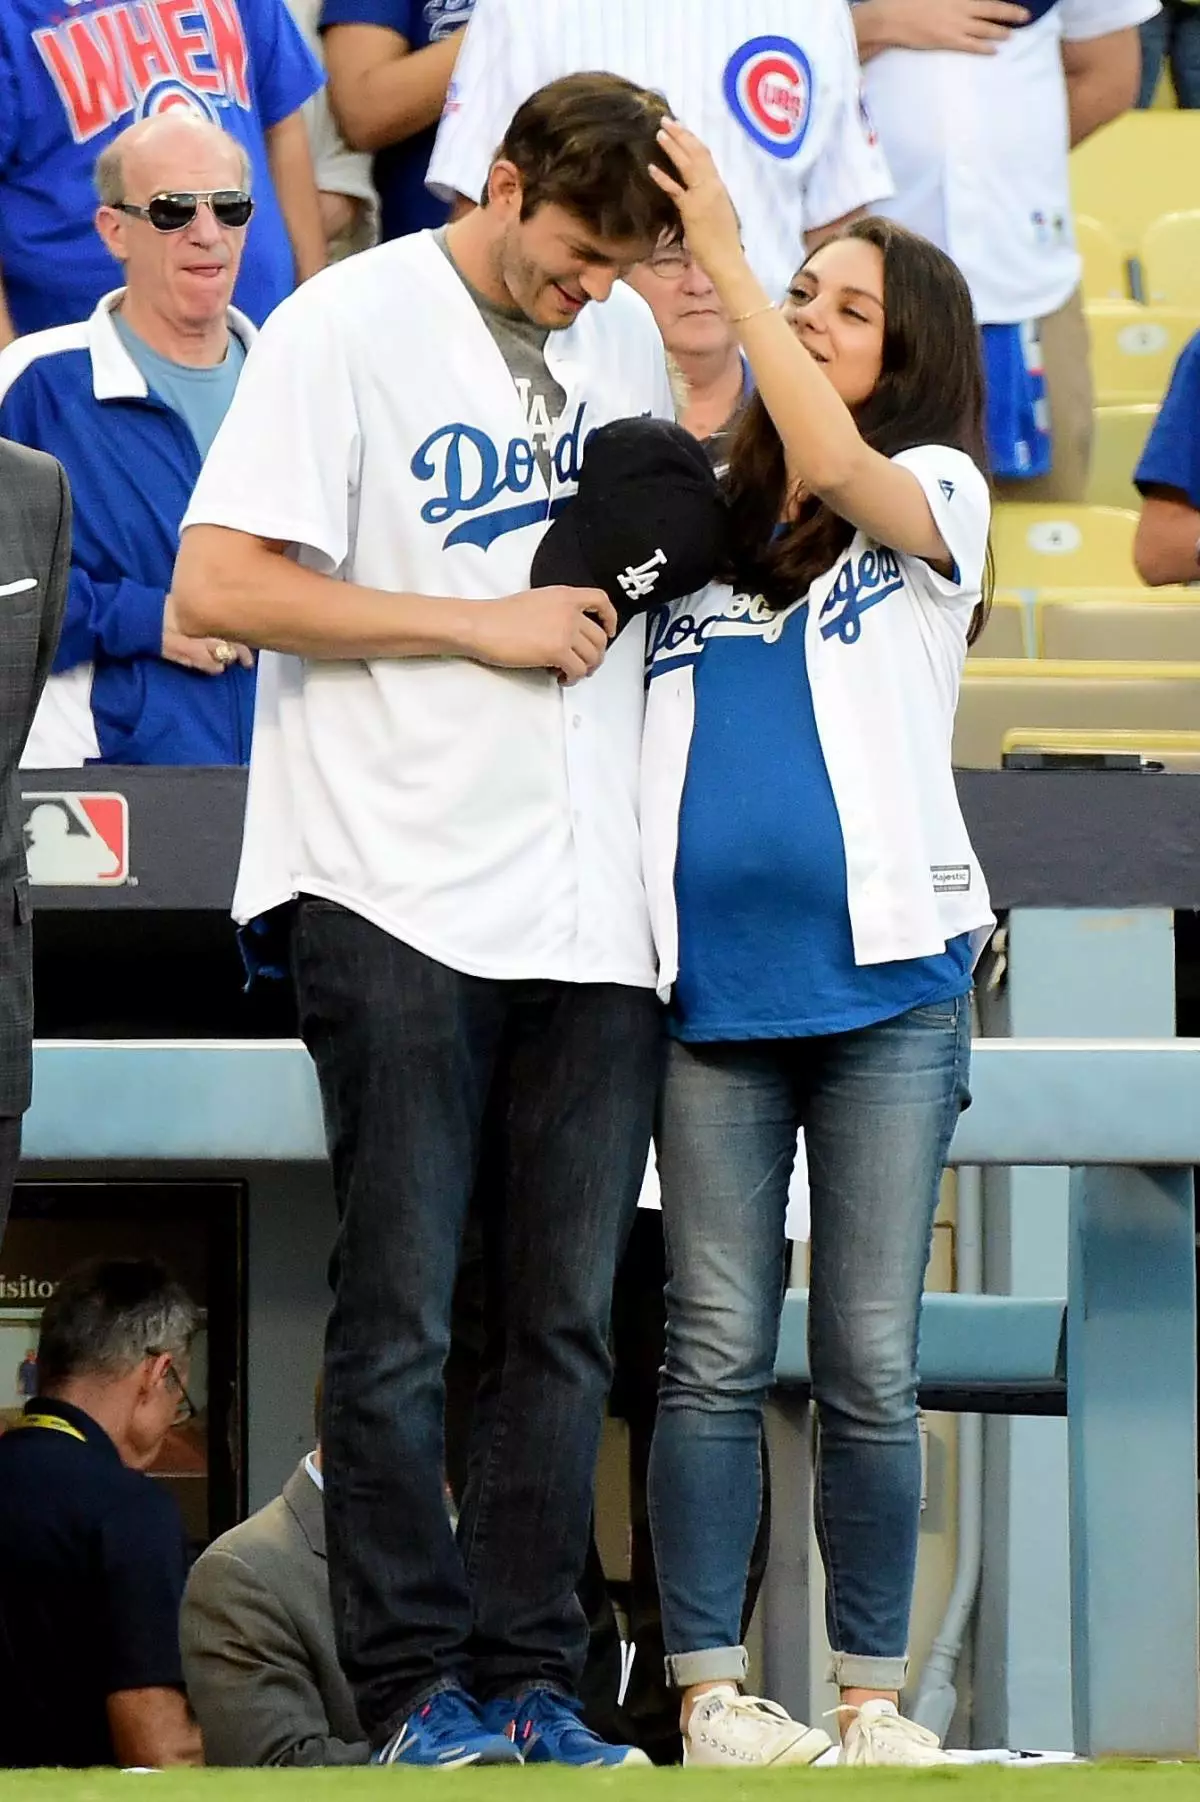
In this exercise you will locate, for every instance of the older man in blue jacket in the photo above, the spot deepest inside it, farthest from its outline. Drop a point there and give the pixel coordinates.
(129, 401)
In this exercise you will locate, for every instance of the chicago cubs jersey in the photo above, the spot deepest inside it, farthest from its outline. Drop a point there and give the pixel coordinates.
(75, 73)
(772, 86)
(486, 817)
(978, 149)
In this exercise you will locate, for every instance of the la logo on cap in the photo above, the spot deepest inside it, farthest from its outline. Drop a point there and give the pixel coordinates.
(640, 579)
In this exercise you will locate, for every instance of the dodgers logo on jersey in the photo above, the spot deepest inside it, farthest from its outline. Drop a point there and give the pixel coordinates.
(471, 472)
(768, 89)
(860, 583)
(678, 632)
(145, 56)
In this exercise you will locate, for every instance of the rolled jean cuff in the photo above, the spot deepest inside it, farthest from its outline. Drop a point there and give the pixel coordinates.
(854, 1670)
(718, 1664)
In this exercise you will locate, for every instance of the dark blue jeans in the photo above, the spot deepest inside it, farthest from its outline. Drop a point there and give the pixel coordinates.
(878, 1108)
(1173, 33)
(539, 1097)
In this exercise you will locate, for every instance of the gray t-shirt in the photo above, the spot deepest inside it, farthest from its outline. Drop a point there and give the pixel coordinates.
(522, 344)
(201, 397)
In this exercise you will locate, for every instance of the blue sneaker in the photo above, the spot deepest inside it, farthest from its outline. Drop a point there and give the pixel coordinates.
(448, 1732)
(545, 1728)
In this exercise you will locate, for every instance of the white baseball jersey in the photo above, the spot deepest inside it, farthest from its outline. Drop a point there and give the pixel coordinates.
(885, 639)
(772, 86)
(487, 817)
(978, 149)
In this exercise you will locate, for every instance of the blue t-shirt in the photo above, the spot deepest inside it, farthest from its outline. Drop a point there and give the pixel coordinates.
(72, 77)
(1171, 458)
(201, 397)
(405, 203)
(765, 950)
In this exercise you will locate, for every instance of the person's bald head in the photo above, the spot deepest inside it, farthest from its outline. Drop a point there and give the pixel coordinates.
(163, 154)
(183, 277)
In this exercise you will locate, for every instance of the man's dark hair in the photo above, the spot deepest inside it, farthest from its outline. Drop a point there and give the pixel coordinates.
(585, 143)
(107, 1315)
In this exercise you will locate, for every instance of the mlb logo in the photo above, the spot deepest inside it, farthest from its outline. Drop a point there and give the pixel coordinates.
(76, 840)
(768, 89)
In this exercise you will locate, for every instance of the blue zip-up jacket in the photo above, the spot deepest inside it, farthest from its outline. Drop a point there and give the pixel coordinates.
(132, 463)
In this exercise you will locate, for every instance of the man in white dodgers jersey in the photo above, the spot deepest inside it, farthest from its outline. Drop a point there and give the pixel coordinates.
(773, 86)
(452, 809)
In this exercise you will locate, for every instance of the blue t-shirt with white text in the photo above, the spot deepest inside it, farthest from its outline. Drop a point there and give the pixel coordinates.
(74, 76)
(405, 203)
(765, 948)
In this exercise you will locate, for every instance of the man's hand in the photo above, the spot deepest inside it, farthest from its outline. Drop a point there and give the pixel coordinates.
(555, 628)
(211, 656)
(977, 26)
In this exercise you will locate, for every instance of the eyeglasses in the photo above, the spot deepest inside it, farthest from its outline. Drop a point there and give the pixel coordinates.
(174, 212)
(187, 1409)
(672, 264)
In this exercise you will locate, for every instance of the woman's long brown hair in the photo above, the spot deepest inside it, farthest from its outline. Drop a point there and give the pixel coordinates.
(930, 391)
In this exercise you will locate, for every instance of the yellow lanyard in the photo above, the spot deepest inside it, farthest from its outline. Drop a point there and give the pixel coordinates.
(48, 1420)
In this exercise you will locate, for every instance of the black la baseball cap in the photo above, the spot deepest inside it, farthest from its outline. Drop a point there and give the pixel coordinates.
(648, 522)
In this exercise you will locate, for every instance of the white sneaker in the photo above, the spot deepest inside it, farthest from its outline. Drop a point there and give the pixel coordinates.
(727, 1728)
(879, 1734)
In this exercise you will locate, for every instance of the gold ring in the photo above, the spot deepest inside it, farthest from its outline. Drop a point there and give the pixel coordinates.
(224, 652)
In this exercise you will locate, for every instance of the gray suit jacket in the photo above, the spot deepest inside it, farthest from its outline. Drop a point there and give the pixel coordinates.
(35, 557)
(257, 1637)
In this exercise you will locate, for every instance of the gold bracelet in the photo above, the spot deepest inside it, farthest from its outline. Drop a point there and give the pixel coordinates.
(740, 318)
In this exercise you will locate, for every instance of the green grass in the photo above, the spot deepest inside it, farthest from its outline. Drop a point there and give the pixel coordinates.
(979, 1783)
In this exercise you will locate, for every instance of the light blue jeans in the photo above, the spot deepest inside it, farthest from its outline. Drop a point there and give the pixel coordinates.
(878, 1107)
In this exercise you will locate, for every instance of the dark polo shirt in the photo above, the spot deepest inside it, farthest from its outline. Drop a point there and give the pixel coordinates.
(93, 1563)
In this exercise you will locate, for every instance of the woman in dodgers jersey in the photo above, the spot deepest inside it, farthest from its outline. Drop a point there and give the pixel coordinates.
(818, 909)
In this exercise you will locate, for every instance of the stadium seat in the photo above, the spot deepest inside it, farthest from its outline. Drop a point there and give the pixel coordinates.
(1005, 634)
(1133, 171)
(1170, 750)
(1003, 693)
(1134, 348)
(1151, 627)
(1170, 259)
(1105, 266)
(1063, 547)
(1120, 437)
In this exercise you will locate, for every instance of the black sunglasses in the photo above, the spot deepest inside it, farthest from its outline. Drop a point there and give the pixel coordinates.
(173, 212)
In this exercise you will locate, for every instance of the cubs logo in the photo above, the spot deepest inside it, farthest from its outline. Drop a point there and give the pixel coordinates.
(768, 88)
(174, 97)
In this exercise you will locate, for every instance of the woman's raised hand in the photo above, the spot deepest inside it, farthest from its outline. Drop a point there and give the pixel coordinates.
(710, 223)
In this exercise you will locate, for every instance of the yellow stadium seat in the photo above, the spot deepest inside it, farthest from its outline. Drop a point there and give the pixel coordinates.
(1005, 634)
(1119, 439)
(1166, 750)
(1134, 349)
(1105, 266)
(1000, 694)
(1063, 547)
(1131, 172)
(1153, 627)
(1170, 259)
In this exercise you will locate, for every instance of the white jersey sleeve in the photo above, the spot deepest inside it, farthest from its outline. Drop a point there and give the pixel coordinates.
(1083, 19)
(495, 71)
(284, 463)
(852, 171)
(961, 506)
